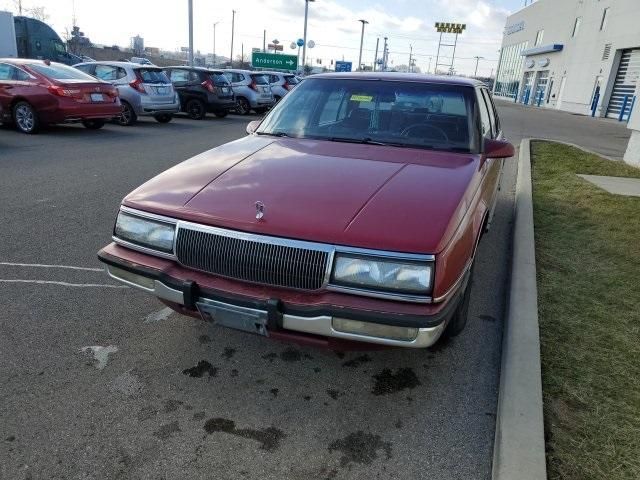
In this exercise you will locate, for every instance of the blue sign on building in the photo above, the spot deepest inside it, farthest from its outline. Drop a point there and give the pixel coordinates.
(343, 66)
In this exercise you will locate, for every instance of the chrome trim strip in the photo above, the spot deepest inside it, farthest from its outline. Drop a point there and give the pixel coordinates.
(139, 248)
(385, 254)
(382, 295)
(150, 216)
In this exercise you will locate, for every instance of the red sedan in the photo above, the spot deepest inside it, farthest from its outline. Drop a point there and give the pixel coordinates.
(352, 212)
(35, 92)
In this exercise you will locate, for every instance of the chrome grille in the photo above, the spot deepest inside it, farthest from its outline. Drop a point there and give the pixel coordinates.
(251, 260)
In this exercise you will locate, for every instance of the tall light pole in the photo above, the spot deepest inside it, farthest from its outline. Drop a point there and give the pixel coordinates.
(375, 58)
(233, 26)
(384, 55)
(410, 55)
(214, 43)
(191, 33)
(364, 22)
(475, 74)
(304, 46)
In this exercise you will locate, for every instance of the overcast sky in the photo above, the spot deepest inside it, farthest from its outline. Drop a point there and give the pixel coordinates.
(333, 26)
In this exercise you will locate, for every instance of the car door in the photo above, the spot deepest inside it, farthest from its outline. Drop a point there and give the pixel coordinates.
(492, 167)
(15, 82)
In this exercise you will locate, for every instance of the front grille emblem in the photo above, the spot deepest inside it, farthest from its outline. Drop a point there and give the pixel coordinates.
(259, 210)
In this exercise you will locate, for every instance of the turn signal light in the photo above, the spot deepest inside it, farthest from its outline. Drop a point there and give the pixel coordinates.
(137, 85)
(208, 84)
(65, 92)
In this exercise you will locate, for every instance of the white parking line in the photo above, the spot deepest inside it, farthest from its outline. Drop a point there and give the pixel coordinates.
(158, 316)
(64, 284)
(39, 265)
(100, 354)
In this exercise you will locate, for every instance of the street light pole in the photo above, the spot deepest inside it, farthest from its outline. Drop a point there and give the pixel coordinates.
(375, 58)
(384, 55)
(304, 46)
(214, 43)
(475, 74)
(410, 55)
(191, 33)
(364, 22)
(233, 26)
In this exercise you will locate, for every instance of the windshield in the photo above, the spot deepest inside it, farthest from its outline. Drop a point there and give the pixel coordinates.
(219, 79)
(149, 75)
(57, 71)
(260, 79)
(405, 114)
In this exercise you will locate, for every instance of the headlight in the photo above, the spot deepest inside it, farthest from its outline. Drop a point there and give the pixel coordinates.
(145, 232)
(391, 275)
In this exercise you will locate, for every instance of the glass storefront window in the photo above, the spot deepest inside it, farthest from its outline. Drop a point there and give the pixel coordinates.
(510, 70)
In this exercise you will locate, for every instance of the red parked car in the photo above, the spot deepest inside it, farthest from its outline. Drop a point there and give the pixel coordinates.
(35, 92)
(351, 212)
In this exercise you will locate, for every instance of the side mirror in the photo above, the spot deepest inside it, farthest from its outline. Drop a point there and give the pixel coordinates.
(252, 126)
(498, 149)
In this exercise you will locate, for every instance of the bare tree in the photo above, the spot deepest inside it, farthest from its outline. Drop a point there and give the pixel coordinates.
(38, 13)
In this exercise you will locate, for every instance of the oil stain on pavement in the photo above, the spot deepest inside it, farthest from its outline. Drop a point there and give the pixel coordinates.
(387, 382)
(269, 438)
(360, 447)
(201, 369)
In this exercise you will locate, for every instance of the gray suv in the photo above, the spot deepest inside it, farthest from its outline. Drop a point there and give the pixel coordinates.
(252, 91)
(143, 89)
(281, 83)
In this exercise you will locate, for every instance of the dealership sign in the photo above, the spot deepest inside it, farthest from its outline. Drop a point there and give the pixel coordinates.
(516, 27)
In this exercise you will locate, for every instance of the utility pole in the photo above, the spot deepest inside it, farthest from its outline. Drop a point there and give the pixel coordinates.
(20, 7)
(304, 46)
(191, 33)
(475, 74)
(410, 55)
(233, 26)
(384, 55)
(264, 41)
(214, 43)
(375, 58)
(429, 69)
(242, 55)
(364, 22)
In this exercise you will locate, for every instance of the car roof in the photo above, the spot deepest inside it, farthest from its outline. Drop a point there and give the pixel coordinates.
(24, 61)
(248, 72)
(118, 64)
(401, 77)
(199, 69)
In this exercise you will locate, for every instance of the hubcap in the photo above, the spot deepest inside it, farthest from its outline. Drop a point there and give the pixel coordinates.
(24, 118)
(125, 116)
(242, 106)
(196, 110)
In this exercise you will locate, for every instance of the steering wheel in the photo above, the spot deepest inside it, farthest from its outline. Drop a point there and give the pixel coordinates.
(440, 134)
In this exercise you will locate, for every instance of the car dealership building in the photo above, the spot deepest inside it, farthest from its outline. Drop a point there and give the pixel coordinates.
(581, 56)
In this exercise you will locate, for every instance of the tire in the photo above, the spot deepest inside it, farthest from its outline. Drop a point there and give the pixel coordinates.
(93, 124)
(221, 113)
(163, 118)
(195, 109)
(261, 111)
(458, 320)
(25, 118)
(277, 98)
(242, 106)
(128, 117)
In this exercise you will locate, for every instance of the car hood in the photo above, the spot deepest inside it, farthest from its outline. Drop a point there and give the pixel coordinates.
(370, 196)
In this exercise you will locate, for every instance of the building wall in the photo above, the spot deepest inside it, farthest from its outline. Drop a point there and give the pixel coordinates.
(581, 59)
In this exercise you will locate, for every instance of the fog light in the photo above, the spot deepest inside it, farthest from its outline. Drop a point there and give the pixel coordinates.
(374, 329)
(131, 278)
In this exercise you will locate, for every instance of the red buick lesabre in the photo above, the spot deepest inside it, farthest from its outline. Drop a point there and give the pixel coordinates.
(351, 212)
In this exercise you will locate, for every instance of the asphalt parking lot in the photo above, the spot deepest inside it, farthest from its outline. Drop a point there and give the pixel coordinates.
(100, 381)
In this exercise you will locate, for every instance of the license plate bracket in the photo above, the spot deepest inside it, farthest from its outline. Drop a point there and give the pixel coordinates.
(235, 317)
(97, 97)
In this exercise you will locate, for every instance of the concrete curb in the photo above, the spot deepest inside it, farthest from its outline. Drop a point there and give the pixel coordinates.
(519, 448)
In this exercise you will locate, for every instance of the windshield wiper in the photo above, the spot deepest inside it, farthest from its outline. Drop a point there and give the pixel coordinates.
(365, 140)
(273, 134)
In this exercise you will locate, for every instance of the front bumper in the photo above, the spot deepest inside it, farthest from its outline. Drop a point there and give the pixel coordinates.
(312, 324)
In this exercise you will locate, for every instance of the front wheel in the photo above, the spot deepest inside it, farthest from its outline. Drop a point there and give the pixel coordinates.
(459, 318)
(25, 118)
(220, 113)
(164, 118)
(242, 106)
(127, 117)
(195, 109)
(93, 124)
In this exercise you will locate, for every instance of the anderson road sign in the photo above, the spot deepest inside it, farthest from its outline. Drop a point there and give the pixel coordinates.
(272, 60)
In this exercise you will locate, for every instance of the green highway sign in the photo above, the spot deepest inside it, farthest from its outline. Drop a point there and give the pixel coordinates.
(273, 60)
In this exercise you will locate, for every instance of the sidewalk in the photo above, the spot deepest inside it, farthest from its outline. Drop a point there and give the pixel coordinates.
(601, 135)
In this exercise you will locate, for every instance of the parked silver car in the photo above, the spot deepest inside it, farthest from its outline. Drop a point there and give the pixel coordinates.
(281, 83)
(252, 91)
(143, 89)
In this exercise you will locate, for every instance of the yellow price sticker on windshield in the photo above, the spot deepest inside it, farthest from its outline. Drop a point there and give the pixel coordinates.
(361, 98)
